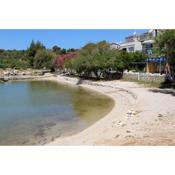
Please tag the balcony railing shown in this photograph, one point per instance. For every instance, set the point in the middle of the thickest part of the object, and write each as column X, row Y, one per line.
column 145, row 37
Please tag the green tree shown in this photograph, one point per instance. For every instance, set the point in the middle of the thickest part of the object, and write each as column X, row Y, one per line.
column 165, row 46
column 34, row 47
column 71, row 50
column 43, row 59
column 93, row 59
column 63, row 51
column 100, row 60
column 136, row 60
column 32, row 50
column 56, row 49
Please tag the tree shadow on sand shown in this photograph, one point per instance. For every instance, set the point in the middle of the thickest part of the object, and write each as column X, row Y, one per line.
column 166, row 87
column 164, row 91
column 167, row 84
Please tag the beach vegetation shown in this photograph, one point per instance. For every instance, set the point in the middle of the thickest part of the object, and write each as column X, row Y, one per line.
column 43, row 59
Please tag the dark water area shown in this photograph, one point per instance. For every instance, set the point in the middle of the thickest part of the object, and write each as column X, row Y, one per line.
column 37, row 112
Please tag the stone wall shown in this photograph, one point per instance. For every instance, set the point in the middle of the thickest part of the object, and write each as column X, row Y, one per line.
column 143, row 77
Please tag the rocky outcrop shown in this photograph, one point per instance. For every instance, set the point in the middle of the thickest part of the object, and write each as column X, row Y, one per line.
column 13, row 74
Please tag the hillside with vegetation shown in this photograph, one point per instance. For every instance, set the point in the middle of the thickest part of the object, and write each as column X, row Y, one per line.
column 36, row 56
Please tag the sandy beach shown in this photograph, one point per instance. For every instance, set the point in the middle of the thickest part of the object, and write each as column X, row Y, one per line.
column 141, row 116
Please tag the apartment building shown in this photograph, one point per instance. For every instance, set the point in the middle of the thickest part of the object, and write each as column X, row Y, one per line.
column 144, row 42
column 131, row 44
column 138, row 42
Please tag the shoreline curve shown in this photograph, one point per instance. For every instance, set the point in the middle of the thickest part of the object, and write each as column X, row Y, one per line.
column 140, row 115
column 89, row 135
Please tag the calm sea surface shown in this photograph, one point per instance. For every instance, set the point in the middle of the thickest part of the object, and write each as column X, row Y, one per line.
column 37, row 112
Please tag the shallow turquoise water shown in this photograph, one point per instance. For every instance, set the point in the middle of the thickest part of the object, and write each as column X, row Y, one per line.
column 37, row 112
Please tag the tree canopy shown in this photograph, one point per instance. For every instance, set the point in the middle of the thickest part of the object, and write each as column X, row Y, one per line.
column 165, row 45
column 99, row 59
column 43, row 59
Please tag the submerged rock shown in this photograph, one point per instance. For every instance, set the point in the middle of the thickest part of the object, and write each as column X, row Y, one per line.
column 40, row 133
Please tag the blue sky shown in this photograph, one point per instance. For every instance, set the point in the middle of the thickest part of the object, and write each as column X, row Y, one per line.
column 21, row 39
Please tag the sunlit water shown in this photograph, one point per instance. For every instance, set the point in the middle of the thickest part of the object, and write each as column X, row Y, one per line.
column 37, row 112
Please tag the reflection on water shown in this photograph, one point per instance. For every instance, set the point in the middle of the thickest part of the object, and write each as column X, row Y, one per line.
column 36, row 112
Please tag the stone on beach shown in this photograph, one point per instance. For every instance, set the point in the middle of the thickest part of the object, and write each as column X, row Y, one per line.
column 121, row 124
column 131, row 113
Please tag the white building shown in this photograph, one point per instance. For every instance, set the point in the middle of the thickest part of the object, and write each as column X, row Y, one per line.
column 148, row 39
column 131, row 44
column 142, row 42
column 114, row 46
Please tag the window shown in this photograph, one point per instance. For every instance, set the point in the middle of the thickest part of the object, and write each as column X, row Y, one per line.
column 131, row 49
